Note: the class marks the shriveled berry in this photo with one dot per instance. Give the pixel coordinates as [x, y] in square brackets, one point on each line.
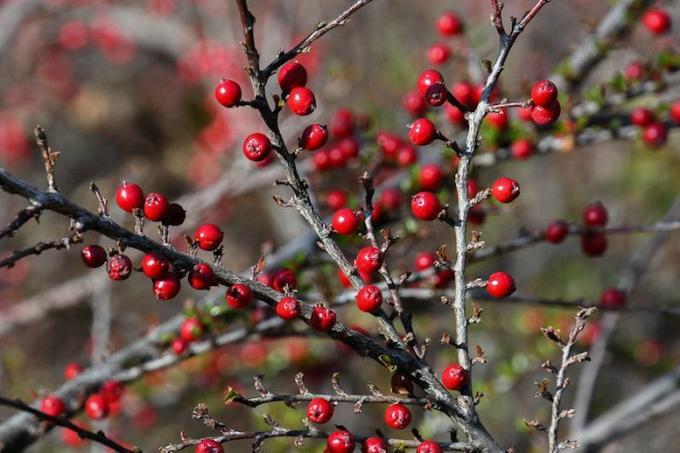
[397, 416]
[257, 147]
[175, 215]
[301, 101]
[291, 75]
[239, 295]
[322, 318]
[153, 266]
[201, 277]
[93, 255]
[505, 190]
[96, 407]
[369, 298]
[436, 94]
[556, 231]
[340, 441]
[228, 93]
[167, 286]
[319, 410]
[544, 93]
[288, 308]
[119, 267]
[155, 206]
[129, 196]
[314, 137]
[369, 259]
[427, 78]
[425, 206]
[208, 236]
[345, 221]
[283, 279]
[454, 377]
[500, 284]
[422, 132]
[52, 405]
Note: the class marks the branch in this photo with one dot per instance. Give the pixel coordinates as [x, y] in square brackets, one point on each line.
[57, 244]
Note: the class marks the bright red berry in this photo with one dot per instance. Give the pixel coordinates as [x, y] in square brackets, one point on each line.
[52, 405]
[345, 221]
[414, 104]
[635, 71]
[465, 92]
[498, 120]
[556, 231]
[472, 188]
[153, 266]
[175, 215]
[593, 244]
[656, 20]
[72, 370]
[301, 101]
[239, 295]
[397, 416]
[96, 406]
[505, 190]
[228, 93]
[674, 111]
[522, 149]
[209, 446]
[428, 446]
[321, 160]
[179, 345]
[430, 177]
[544, 116]
[655, 135]
[343, 122]
[369, 298]
[612, 298]
[374, 445]
[93, 255]
[422, 132]
[407, 155]
[319, 410]
[500, 284]
[322, 318]
[438, 53]
[284, 279]
[155, 206]
[427, 78]
[257, 147]
[288, 308]
[291, 75]
[340, 441]
[424, 261]
[336, 199]
[524, 114]
[119, 267]
[454, 115]
[544, 93]
[595, 214]
[191, 329]
[449, 24]
[167, 286]
[349, 147]
[454, 377]
[368, 260]
[314, 137]
[436, 94]
[208, 236]
[641, 117]
[425, 206]
[129, 196]
[390, 199]
[112, 391]
[201, 277]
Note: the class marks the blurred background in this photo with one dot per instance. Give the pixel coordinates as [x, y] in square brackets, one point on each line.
[124, 89]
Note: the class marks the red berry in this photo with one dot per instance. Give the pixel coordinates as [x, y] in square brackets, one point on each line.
[505, 190]
[454, 377]
[439, 53]
[322, 318]
[425, 206]
[436, 94]
[291, 75]
[340, 442]
[112, 391]
[544, 93]
[556, 231]
[544, 116]
[430, 177]
[71, 438]
[674, 111]
[336, 199]
[369, 298]
[179, 346]
[239, 296]
[424, 261]
[595, 214]
[641, 116]
[635, 71]
[477, 215]
[612, 298]
[228, 93]
[657, 21]
[368, 260]
[593, 244]
[96, 407]
[389, 144]
[427, 78]
[257, 147]
[191, 329]
[201, 277]
[449, 24]
[390, 199]
[522, 149]
[655, 135]
[414, 104]
[314, 137]
[465, 93]
[422, 132]
[129, 196]
[301, 101]
[407, 155]
[288, 308]
[208, 236]
[266, 278]
[500, 284]
[498, 120]
[283, 279]
[374, 445]
[397, 416]
[209, 446]
[52, 405]
[336, 157]
[93, 255]
[349, 147]
[153, 266]
[175, 215]
[167, 286]
[428, 446]
[524, 114]
[345, 221]
[454, 114]
[155, 206]
[72, 370]
[321, 160]
[119, 267]
[319, 410]
[342, 123]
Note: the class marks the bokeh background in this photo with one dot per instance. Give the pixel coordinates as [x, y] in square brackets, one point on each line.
[124, 89]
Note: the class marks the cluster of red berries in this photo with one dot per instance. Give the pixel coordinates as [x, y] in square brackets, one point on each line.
[97, 406]
[654, 132]
[340, 136]
[546, 107]
[449, 25]
[594, 243]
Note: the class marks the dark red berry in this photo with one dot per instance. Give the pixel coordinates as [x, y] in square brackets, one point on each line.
[345, 221]
[414, 104]
[119, 267]
[343, 122]
[288, 308]
[314, 137]
[397, 416]
[454, 377]
[505, 190]
[436, 94]
[556, 231]
[593, 244]
[52, 405]
[612, 298]
[208, 236]
[202, 277]
[175, 215]
[228, 93]
[155, 206]
[257, 147]
[438, 53]
[322, 318]
[301, 101]
[428, 446]
[522, 149]
[449, 24]
[401, 383]
[153, 266]
[425, 206]
[93, 255]
[500, 284]
[291, 75]
[191, 329]
[369, 298]
[595, 214]
[368, 260]
[96, 406]
[319, 410]
[655, 135]
[129, 196]
[657, 21]
[641, 116]
[427, 78]
[374, 445]
[544, 116]
[209, 446]
[284, 279]
[239, 296]
[544, 93]
[422, 132]
[167, 286]
[340, 442]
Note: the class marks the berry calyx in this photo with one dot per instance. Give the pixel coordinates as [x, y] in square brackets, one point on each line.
[340, 441]
[345, 221]
[208, 236]
[284, 279]
[257, 147]
[422, 132]
[546, 115]
[201, 277]
[167, 286]
[119, 267]
[209, 446]
[397, 416]
[369, 298]
[129, 196]
[291, 75]
[96, 407]
[155, 206]
[191, 329]
[319, 410]
[228, 93]
[595, 214]
[425, 206]
[505, 190]
[52, 405]
[430, 177]
[657, 21]
[313, 137]
[374, 445]
[301, 101]
[428, 446]
[450, 24]
[153, 266]
[427, 78]
[454, 377]
[556, 231]
[500, 284]
[239, 296]
[612, 298]
[544, 93]
[93, 255]
[288, 308]
[322, 318]
[368, 260]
